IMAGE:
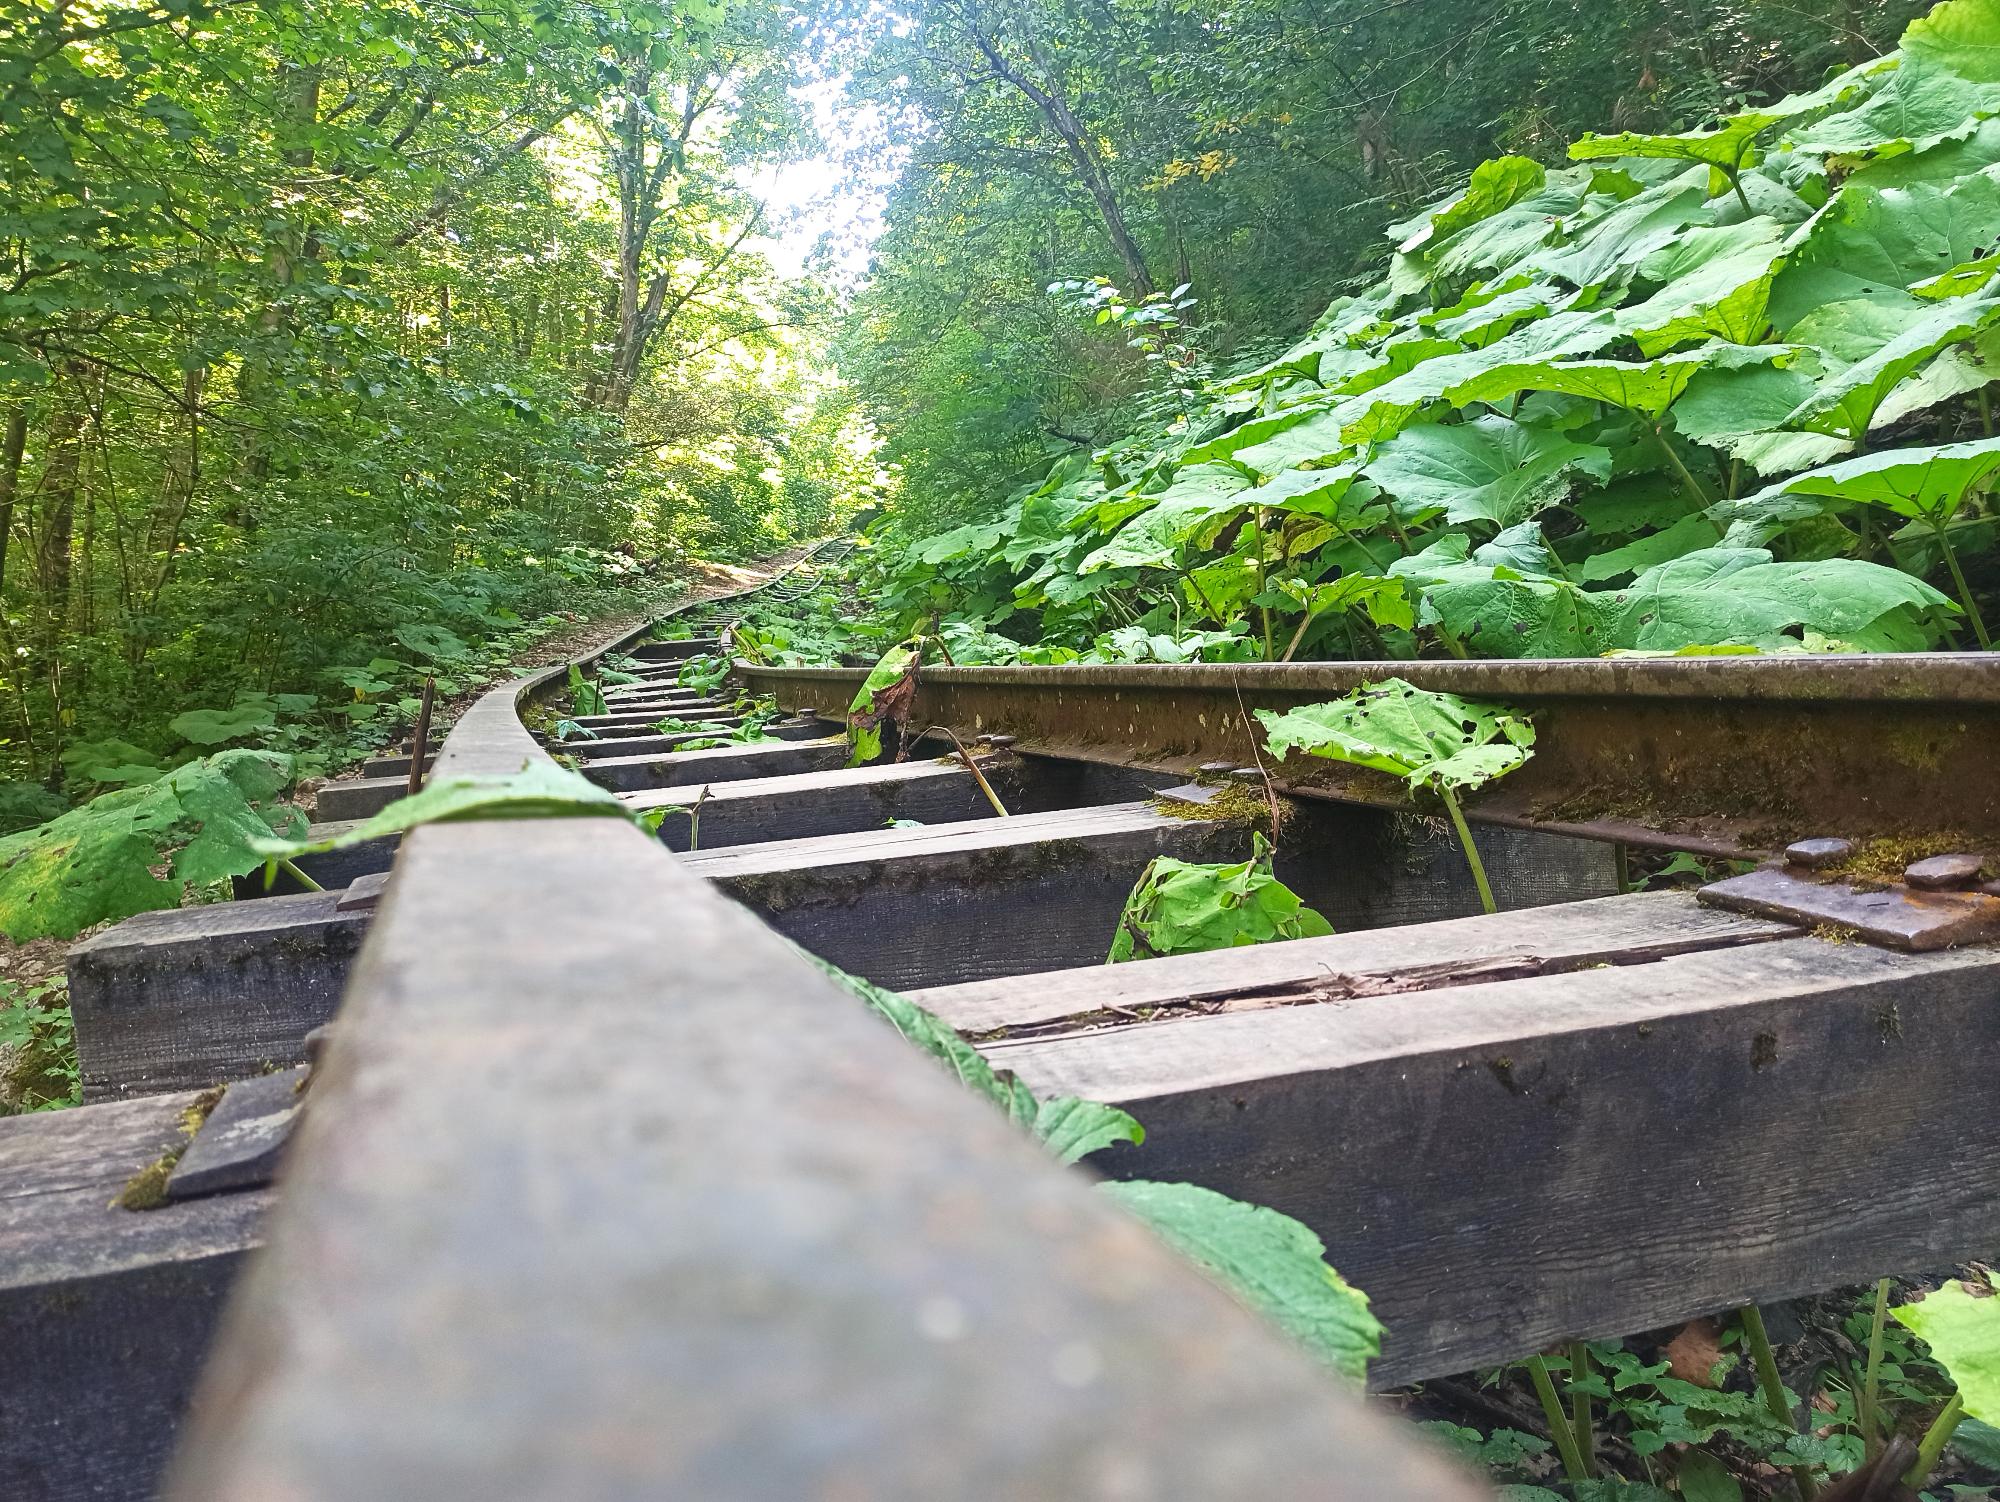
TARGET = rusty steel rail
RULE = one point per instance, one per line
(1714, 754)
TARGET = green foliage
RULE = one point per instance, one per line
(1184, 907)
(95, 863)
(884, 698)
(539, 790)
(1430, 740)
(1069, 1127)
(38, 1063)
(585, 697)
(1270, 1261)
(1960, 1322)
(1533, 435)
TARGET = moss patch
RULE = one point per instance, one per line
(147, 1189)
(1886, 858)
(1238, 802)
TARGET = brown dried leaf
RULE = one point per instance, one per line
(1692, 1355)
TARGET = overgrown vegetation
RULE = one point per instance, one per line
(1718, 390)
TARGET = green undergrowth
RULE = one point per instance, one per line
(38, 1063)
(1722, 391)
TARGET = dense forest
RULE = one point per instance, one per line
(339, 342)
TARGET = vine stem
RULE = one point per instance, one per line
(1964, 590)
(1865, 1412)
(1471, 856)
(1935, 1438)
(1773, 1388)
(1558, 1421)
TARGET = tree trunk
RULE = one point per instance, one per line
(1048, 97)
(12, 446)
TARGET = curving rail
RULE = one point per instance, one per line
(603, 1190)
(606, 1192)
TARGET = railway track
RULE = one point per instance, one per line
(604, 1191)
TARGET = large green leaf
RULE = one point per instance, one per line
(1728, 148)
(1648, 389)
(1913, 108)
(1960, 1322)
(1199, 496)
(1269, 1261)
(1690, 534)
(95, 863)
(1743, 412)
(1846, 401)
(1925, 484)
(212, 727)
(1740, 597)
(1495, 185)
(540, 790)
(1601, 247)
(1960, 35)
(1184, 907)
(1488, 469)
(1715, 283)
(1427, 739)
(1878, 245)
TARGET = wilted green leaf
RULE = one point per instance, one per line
(1183, 907)
(540, 790)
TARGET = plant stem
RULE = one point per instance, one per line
(1579, 1404)
(300, 877)
(1964, 590)
(1298, 636)
(1865, 1411)
(1934, 1440)
(1736, 182)
(1773, 1388)
(1694, 487)
(1373, 562)
(972, 767)
(1558, 1421)
(1471, 853)
(1263, 579)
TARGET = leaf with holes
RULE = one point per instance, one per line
(1427, 739)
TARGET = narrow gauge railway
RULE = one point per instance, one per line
(594, 1187)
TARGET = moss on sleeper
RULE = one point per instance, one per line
(147, 1189)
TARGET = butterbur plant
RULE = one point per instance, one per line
(1183, 907)
(885, 698)
(1960, 1322)
(1437, 743)
(585, 697)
